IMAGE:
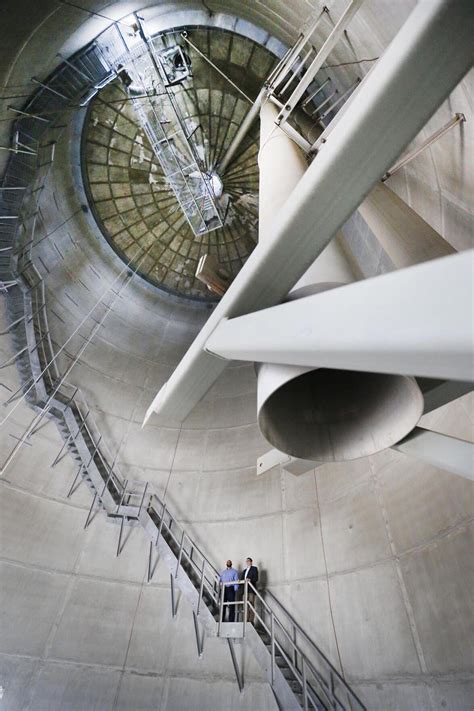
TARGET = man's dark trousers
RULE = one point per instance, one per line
(229, 596)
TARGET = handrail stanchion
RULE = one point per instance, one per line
(173, 602)
(295, 653)
(72, 489)
(201, 586)
(221, 609)
(180, 554)
(142, 500)
(162, 518)
(246, 585)
(150, 558)
(272, 641)
(122, 496)
(119, 544)
(88, 519)
(332, 689)
(305, 689)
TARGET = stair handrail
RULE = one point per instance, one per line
(309, 664)
(180, 537)
(326, 686)
(308, 639)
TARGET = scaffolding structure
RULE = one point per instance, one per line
(150, 71)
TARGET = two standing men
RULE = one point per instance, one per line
(230, 575)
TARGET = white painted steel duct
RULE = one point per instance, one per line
(416, 321)
(321, 414)
(427, 58)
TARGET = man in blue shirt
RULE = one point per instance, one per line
(229, 575)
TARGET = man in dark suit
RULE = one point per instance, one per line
(250, 573)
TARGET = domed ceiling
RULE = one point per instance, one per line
(132, 203)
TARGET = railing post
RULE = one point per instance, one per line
(162, 518)
(246, 595)
(122, 496)
(221, 610)
(73, 485)
(173, 603)
(201, 587)
(180, 555)
(106, 483)
(305, 690)
(88, 519)
(331, 687)
(150, 558)
(119, 544)
(272, 642)
(142, 500)
(199, 639)
(295, 653)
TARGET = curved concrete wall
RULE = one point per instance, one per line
(372, 557)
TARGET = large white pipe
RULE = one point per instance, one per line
(425, 61)
(306, 412)
(416, 321)
(441, 451)
(405, 236)
(282, 164)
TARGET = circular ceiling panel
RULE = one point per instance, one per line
(132, 201)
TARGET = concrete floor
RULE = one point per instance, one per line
(373, 557)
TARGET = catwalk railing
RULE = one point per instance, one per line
(300, 674)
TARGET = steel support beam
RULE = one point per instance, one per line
(444, 452)
(404, 235)
(436, 41)
(238, 675)
(404, 160)
(437, 393)
(416, 321)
